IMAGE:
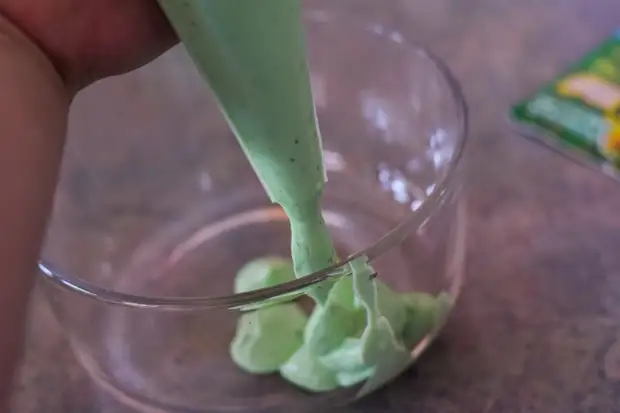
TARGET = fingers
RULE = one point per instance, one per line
(90, 39)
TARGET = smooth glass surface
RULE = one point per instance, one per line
(158, 208)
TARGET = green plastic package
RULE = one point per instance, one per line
(578, 112)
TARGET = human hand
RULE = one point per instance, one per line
(90, 39)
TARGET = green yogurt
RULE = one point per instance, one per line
(363, 332)
(268, 337)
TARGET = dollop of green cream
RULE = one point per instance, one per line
(339, 318)
(268, 337)
(363, 332)
(262, 273)
(306, 371)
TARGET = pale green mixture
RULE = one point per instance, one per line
(253, 55)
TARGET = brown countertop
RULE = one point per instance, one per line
(538, 326)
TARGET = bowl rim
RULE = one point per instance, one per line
(242, 300)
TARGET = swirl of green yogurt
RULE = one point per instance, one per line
(362, 333)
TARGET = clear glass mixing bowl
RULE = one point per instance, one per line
(157, 209)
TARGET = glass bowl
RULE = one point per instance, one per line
(157, 209)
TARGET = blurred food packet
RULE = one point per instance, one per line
(578, 112)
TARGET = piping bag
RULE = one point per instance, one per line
(253, 55)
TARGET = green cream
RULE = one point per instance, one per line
(266, 338)
(253, 55)
(307, 372)
(363, 332)
(330, 324)
(424, 312)
(262, 273)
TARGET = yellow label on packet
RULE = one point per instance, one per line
(591, 89)
(609, 142)
(603, 95)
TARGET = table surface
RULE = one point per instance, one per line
(537, 328)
